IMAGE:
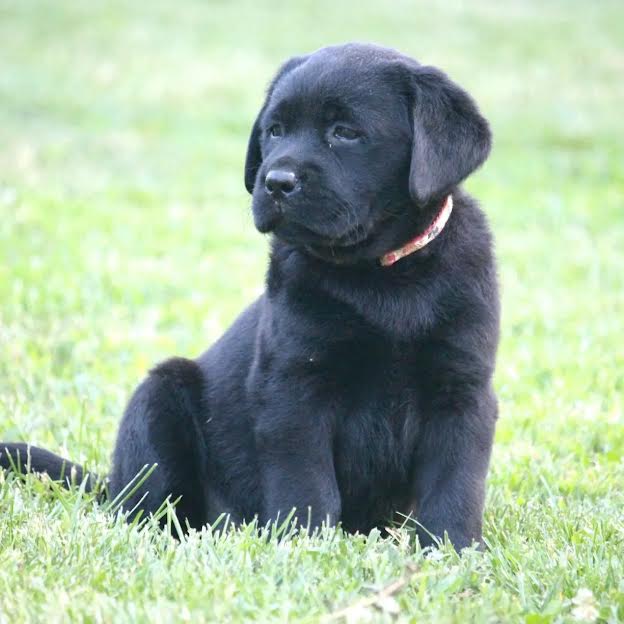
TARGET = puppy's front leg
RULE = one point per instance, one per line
(451, 467)
(297, 468)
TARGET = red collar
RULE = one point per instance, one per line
(422, 239)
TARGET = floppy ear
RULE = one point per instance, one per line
(253, 160)
(451, 137)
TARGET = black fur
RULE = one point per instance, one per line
(349, 391)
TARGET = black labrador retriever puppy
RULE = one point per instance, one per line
(358, 388)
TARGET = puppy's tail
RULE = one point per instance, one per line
(24, 458)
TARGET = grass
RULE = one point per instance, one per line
(125, 237)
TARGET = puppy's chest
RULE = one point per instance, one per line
(375, 439)
(370, 374)
(375, 387)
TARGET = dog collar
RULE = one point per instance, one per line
(422, 239)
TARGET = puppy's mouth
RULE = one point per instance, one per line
(308, 236)
(325, 238)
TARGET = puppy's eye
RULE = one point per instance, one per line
(276, 130)
(346, 134)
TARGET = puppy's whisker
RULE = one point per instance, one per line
(351, 214)
(388, 209)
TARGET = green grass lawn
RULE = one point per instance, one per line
(126, 236)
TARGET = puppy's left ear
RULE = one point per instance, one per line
(451, 137)
(253, 160)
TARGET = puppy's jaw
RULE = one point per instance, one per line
(268, 218)
(308, 220)
(374, 233)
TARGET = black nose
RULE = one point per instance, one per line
(279, 181)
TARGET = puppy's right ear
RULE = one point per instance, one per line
(253, 161)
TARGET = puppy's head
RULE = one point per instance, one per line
(353, 144)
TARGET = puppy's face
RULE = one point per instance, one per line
(351, 143)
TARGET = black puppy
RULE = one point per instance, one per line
(358, 387)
